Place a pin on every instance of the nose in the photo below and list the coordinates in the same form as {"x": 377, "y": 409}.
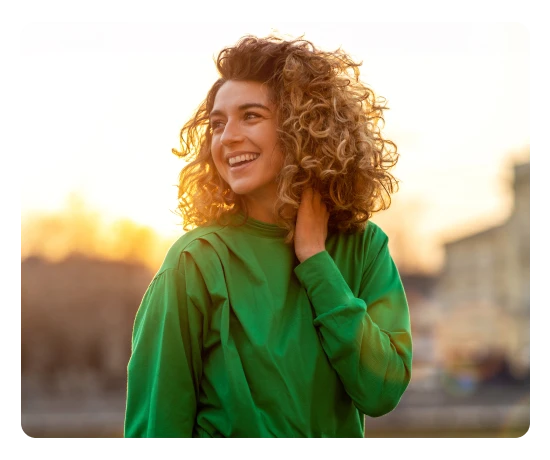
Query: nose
{"x": 231, "y": 133}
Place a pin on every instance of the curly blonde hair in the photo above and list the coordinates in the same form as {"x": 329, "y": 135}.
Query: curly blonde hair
{"x": 329, "y": 132}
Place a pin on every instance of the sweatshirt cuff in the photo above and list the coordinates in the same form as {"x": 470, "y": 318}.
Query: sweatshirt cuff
{"x": 325, "y": 286}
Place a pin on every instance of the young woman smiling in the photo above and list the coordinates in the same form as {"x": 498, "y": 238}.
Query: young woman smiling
{"x": 280, "y": 313}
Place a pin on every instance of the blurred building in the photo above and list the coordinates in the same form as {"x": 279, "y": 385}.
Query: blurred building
{"x": 483, "y": 290}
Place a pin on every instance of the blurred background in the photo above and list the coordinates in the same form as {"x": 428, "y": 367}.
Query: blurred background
{"x": 106, "y": 103}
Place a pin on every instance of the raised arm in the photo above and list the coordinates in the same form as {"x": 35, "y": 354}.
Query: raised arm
{"x": 366, "y": 338}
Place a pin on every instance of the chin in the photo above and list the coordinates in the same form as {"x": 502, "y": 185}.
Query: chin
{"x": 241, "y": 189}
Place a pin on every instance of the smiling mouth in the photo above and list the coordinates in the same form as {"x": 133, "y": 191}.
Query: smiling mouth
{"x": 242, "y": 160}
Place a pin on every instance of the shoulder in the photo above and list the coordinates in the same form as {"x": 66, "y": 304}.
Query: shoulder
{"x": 375, "y": 235}
{"x": 370, "y": 238}
{"x": 359, "y": 248}
{"x": 190, "y": 243}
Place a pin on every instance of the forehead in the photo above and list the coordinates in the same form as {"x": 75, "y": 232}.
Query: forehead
{"x": 234, "y": 93}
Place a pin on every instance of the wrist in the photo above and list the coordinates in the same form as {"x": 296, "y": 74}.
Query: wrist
{"x": 304, "y": 255}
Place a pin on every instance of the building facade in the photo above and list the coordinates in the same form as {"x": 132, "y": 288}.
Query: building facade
{"x": 483, "y": 290}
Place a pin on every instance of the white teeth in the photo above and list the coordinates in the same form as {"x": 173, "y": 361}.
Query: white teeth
{"x": 244, "y": 157}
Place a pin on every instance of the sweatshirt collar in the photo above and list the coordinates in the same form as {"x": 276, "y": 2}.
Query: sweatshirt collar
{"x": 257, "y": 227}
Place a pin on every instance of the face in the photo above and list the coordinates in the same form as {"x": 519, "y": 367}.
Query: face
{"x": 244, "y": 139}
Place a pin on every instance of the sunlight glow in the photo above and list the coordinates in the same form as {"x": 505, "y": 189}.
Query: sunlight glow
{"x": 110, "y": 102}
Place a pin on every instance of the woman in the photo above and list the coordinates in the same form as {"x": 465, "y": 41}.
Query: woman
{"x": 281, "y": 312}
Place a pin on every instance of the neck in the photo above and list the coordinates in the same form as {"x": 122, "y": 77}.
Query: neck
{"x": 261, "y": 209}
{"x": 261, "y": 213}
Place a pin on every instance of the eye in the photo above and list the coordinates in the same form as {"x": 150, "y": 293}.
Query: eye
{"x": 216, "y": 125}
{"x": 251, "y": 115}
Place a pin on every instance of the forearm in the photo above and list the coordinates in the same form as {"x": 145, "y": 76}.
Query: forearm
{"x": 373, "y": 364}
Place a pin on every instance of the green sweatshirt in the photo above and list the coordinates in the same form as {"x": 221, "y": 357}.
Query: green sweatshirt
{"x": 235, "y": 338}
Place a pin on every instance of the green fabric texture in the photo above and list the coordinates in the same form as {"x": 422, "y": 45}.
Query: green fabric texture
{"x": 235, "y": 338}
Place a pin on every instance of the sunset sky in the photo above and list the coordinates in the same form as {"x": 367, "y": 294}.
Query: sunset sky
{"x": 111, "y": 99}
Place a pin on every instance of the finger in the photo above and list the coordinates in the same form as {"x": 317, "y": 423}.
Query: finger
{"x": 317, "y": 198}
{"x": 307, "y": 194}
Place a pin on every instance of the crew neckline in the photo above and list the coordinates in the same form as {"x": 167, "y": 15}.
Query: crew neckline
{"x": 257, "y": 227}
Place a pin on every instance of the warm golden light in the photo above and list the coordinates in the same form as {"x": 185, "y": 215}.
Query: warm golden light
{"x": 80, "y": 229}
{"x": 104, "y": 104}
{"x": 107, "y": 120}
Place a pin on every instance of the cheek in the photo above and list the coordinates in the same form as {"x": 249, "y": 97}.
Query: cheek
{"x": 220, "y": 169}
{"x": 216, "y": 154}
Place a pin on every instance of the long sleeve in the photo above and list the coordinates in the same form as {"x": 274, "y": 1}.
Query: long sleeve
{"x": 165, "y": 366}
{"x": 367, "y": 338}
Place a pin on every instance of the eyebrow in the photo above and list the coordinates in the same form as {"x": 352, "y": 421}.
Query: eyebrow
{"x": 248, "y": 105}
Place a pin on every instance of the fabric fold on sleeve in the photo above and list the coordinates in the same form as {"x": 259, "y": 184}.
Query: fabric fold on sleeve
{"x": 325, "y": 285}
{"x": 165, "y": 365}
